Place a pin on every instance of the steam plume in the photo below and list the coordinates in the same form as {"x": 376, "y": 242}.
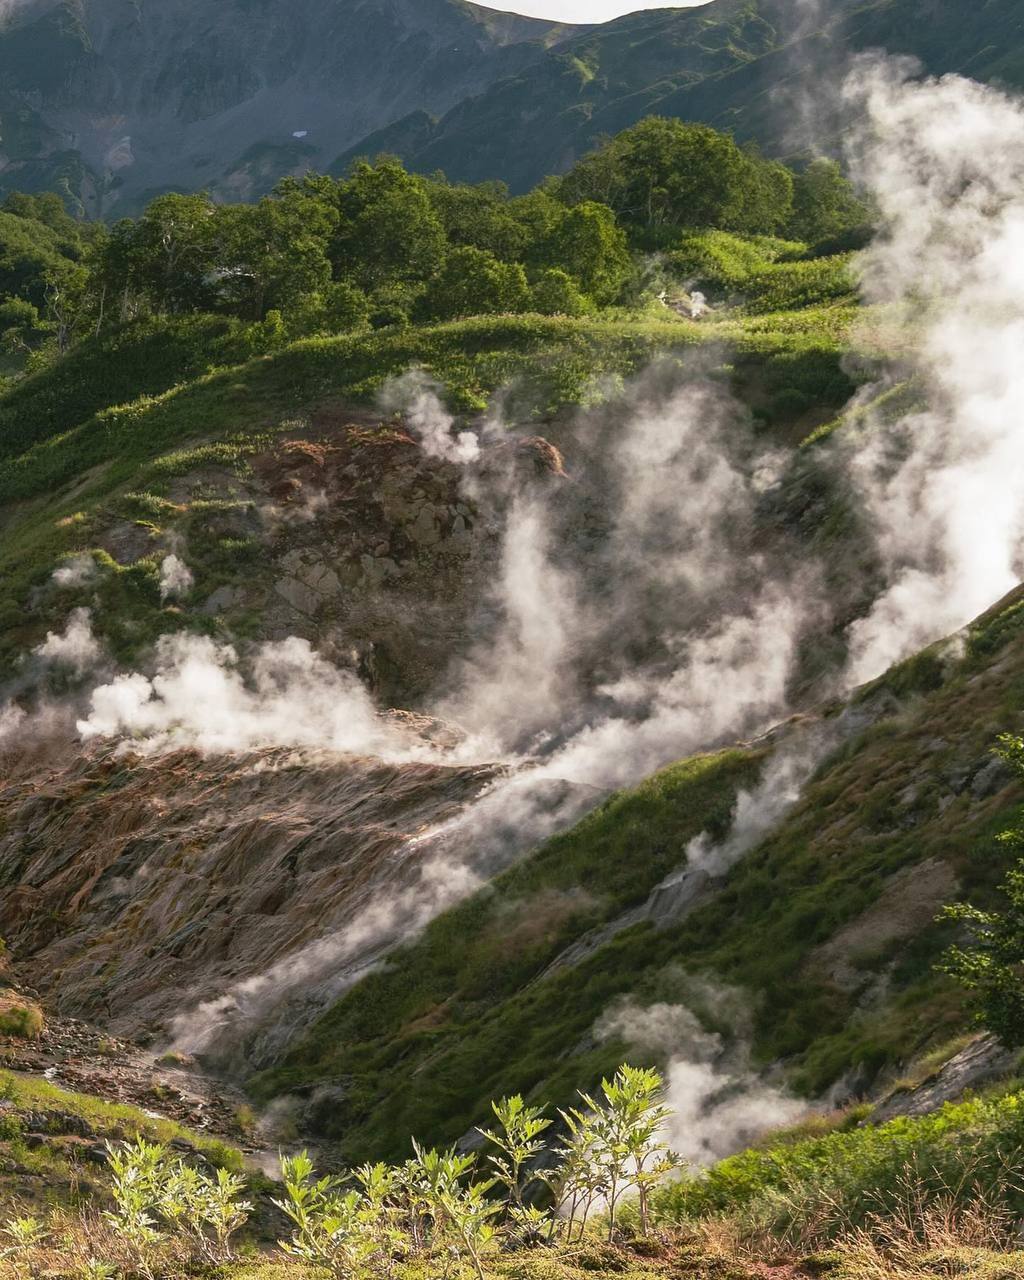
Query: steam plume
{"x": 943, "y": 486}
{"x": 75, "y": 572}
{"x": 75, "y": 648}
{"x": 175, "y": 578}
{"x": 199, "y": 698}
{"x": 416, "y": 396}
{"x": 720, "y": 1103}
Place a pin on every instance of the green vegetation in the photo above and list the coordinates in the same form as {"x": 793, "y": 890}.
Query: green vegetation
{"x": 809, "y": 924}
{"x": 169, "y": 1216}
{"x": 20, "y": 1017}
{"x": 908, "y": 1199}
{"x": 992, "y": 966}
{"x": 663, "y": 176}
{"x": 810, "y": 1191}
{"x": 384, "y": 246}
{"x": 28, "y": 1094}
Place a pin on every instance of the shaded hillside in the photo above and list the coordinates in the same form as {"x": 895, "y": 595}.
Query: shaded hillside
{"x": 753, "y": 68}
{"x": 111, "y": 101}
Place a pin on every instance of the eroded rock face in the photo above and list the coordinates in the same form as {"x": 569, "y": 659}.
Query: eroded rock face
{"x": 230, "y": 97}
{"x": 146, "y": 886}
{"x": 370, "y": 548}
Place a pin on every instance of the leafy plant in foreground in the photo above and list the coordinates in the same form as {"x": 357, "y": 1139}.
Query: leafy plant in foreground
{"x": 332, "y": 1228}
{"x": 518, "y": 1139}
{"x": 151, "y": 1188}
{"x": 625, "y": 1139}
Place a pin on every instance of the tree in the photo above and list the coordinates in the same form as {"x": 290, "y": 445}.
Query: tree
{"x": 556, "y": 293}
{"x": 992, "y": 966}
{"x": 825, "y": 205}
{"x": 473, "y": 282}
{"x": 272, "y": 256}
{"x": 591, "y": 247}
{"x": 20, "y": 325}
{"x": 664, "y": 174}
{"x": 168, "y": 256}
{"x": 479, "y": 216}
{"x": 388, "y": 230}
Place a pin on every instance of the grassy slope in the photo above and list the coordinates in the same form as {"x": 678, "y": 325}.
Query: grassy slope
{"x": 844, "y": 1174}
{"x": 42, "y": 1161}
{"x": 117, "y": 416}
{"x": 466, "y": 1012}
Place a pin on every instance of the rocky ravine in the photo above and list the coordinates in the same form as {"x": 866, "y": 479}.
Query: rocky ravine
{"x": 146, "y": 886}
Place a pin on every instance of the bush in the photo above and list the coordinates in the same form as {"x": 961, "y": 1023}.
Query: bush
{"x": 817, "y": 1189}
{"x": 556, "y": 293}
{"x": 20, "y": 1017}
{"x": 473, "y": 282}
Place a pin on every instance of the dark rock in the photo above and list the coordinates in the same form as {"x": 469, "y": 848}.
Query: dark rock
{"x": 984, "y": 1059}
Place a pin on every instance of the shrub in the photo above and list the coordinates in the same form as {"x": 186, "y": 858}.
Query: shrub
{"x": 19, "y": 1017}
{"x": 556, "y": 293}
{"x": 991, "y": 966}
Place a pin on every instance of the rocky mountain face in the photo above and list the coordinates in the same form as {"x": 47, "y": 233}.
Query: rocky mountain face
{"x": 116, "y": 100}
{"x": 113, "y": 101}
{"x": 752, "y": 68}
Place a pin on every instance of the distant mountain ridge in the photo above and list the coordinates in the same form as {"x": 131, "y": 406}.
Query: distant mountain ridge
{"x": 741, "y": 65}
{"x": 113, "y": 101}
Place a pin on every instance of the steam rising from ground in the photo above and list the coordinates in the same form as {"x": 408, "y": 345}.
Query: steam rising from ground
{"x": 415, "y": 396}
{"x": 679, "y": 477}
{"x": 760, "y": 809}
{"x": 668, "y": 622}
{"x": 720, "y": 1103}
{"x": 944, "y": 486}
{"x": 75, "y": 648}
{"x": 200, "y": 698}
{"x": 175, "y": 578}
{"x": 509, "y": 687}
{"x": 75, "y": 572}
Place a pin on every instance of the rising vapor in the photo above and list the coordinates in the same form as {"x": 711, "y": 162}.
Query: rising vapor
{"x": 943, "y": 486}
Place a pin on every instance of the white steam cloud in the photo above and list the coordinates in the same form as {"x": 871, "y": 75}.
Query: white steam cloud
{"x": 75, "y": 572}
{"x": 175, "y": 578}
{"x": 343, "y": 957}
{"x": 760, "y": 809}
{"x": 200, "y": 698}
{"x": 720, "y": 1104}
{"x": 511, "y": 684}
{"x": 75, "y": 648}
{"x": 416, "y": 397}
{"x": 943, "y": 486}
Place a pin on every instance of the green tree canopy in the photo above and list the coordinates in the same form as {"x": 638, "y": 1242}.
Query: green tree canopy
{"x": 475, "y": 282}
{"x": 825, "y": 205}
{"x": 666, "y": 174}
{"x": 388, "y": 229}
{"x": 590, "y": 246}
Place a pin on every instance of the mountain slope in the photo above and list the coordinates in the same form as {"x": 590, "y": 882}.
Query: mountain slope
{"x": 113, "y": 99}
{"x": 827, "y": 925}
{"x": 752, "y": 67}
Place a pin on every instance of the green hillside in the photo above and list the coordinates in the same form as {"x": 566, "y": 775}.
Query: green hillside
{"x": 742, "y": 65}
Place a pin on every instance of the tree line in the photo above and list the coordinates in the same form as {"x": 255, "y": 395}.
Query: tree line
{"x": 382, "y": 246}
